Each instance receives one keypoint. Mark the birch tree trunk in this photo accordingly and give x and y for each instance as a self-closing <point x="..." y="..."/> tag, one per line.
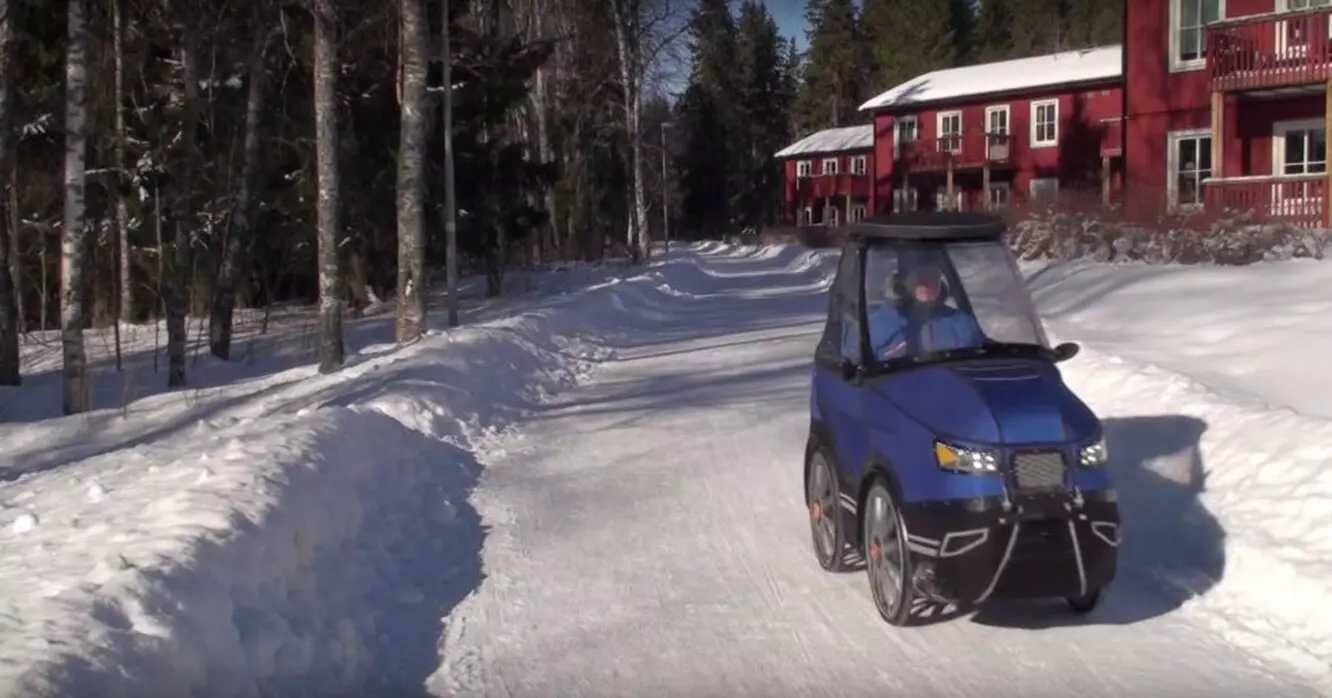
<point x="631" y="71"/>
<point x="240" y="232"/>
<point x="78" y="392"/>
<point x="179" y="269"/>
<point x="331" y="351"/>
<point x="412" y="46"/>
<point x="9" y="314"/>
<point x="125" y="304"/>
<point x="450" y="192"/>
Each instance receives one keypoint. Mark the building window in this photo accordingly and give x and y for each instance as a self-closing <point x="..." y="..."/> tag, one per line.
<point x="1188" y="164"/>
<point x="857" y="212"/>
<point x="829" y="166"/>
<point x="804" y="168"/>
<point x="950" y="131"/>
<point x="859" y="165"/>
<point x="904" y="199"/>
<point x="1045" y="122"/>
<point x="806" y="216"/>
<point x="1299" y="147"/>
<point x="998" y="195"/>
<point x="942" y="203"/>
<point x="996" y="120"/>
<point x="904" y="131"/>
<point x="830" y="216"/>
<point x="1043" y="189"/>
<point x="1187" y="36"/>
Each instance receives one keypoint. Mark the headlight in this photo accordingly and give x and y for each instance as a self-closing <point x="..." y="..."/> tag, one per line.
<point x="965" y="460"/>
<point x="1093" y="456"/>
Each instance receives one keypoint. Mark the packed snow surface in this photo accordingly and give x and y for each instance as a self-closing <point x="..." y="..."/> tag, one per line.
<point x="597" y="492"/>
<point x="833" y="140"/>
<point x="1065" y="68"/>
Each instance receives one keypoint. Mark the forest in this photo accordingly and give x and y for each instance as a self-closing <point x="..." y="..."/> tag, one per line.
<point x="173" y="161"/>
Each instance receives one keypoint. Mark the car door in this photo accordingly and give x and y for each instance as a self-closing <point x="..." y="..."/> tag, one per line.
<point x="839" y="398"/>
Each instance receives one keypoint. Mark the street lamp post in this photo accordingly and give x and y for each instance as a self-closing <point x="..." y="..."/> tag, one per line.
<point x="665" y="196"/>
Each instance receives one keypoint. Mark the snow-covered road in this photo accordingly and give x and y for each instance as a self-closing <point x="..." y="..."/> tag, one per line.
<point x="647" y="536"/>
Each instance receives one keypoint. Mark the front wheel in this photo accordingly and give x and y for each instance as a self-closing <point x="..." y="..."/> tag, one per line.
<point x="886" y="557"/>
<point x="825" y="522"/>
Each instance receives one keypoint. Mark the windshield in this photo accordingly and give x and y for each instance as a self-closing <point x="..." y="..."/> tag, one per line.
<point x="924" y="298"/>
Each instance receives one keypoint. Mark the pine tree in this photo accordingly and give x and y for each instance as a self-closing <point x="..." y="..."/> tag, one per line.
<point x="1094" y="23"/>
<point x="761" y="128"/>
<point x="833" y="85"/>
<point x="907" y="38"/>
<point x="1038" y="27"/>
<point x="708" y="111"/>
<point x="994" y="31"/>
<point x="962" y="16"/>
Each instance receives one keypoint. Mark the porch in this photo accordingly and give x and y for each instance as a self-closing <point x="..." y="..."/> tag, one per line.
<point x="831" y="210"/>
<point x="1278" y="52"/>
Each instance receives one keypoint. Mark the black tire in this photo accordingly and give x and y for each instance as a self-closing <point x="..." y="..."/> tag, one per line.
<point x="825" y="518"/>
<point x="1085" y="604"/>
<point x="885" y="548"/>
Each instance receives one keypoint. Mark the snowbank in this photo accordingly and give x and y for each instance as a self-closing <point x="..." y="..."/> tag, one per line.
<point x="304" y="533"/>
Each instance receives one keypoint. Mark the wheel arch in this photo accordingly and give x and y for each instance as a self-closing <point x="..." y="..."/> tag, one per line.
<point x="878" y="469"/>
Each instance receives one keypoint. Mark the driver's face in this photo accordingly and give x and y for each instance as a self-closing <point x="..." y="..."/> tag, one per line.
<point x="925" y="283"/>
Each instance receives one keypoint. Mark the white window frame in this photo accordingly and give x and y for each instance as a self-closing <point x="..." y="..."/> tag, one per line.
<point x="1279" y="131"/>
<point x="804" y="169"/>
<point x="1006" y="188"/>
<point x="831" y="216"/>
<point x="857" y="212"/>
<point x="1008" y="117"/>
<point x="1035" y="109"/>
<point x="897" y="133"/>
<point x="900" y="199"/>
<point x="939" y="135"/>
<point x="1036" y="181"/>
<point x="860" y="165"/>
<point x="807" y="216"/>
<point x="826" y="171"/>
<point x="941" y="198"/>
<point x="1173" y="62"/>
<point x="1172" y="165"/>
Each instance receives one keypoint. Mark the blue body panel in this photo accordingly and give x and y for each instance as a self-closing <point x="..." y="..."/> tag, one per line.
<point x="993" y="404"/>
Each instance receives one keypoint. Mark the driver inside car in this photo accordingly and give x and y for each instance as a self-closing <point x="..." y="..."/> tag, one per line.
<point x="916" y="320"/>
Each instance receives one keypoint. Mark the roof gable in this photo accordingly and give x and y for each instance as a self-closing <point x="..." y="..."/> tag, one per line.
<point x="1066" y="68"/>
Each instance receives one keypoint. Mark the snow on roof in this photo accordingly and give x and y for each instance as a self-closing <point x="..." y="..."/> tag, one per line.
<point x="832" y="140"/>
<point x="1085" y="65"/>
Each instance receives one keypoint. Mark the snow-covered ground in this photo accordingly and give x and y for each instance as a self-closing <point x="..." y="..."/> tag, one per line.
<point x="599" y="492"/>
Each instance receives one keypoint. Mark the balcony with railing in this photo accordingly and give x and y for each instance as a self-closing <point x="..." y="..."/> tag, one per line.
<point x="967" y="150"/>
<point x="1271" y="50"/>
<point x="856" y="186"/>
<point x="1295" y="199"/>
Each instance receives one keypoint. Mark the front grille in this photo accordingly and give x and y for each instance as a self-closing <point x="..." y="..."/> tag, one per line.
<point x="1039" y="471"/>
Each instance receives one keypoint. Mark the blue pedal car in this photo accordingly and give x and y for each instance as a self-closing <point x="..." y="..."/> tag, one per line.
<point x="944" y="446"/>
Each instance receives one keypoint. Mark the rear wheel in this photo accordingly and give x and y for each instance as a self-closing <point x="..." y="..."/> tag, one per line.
<point x="825" y="522"/>
<point x="886" y="557"/>
<point x="1086" y="603"/>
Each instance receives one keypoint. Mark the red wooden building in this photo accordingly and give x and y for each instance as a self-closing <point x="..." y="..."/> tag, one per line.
<point x="980" y="136"/>
<point x="1226" y="105"/>
<point x="828" y="177"/>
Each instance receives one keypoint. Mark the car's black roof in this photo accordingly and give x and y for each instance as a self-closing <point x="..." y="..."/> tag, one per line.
<point x="929" y="225"/>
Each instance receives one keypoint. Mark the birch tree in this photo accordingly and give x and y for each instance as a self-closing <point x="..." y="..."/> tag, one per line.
<point x="331" y="351"/>
<point x="412" y="46"/>
<point x="125" y="300"/>
<point x="184" y="219"/>
<point x="9" y="312"/>
<point x="78" y="392"/>
<point x="240" y="231"/>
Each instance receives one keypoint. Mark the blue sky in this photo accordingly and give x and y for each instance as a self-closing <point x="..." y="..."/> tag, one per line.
<point x="790" y="16"/>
